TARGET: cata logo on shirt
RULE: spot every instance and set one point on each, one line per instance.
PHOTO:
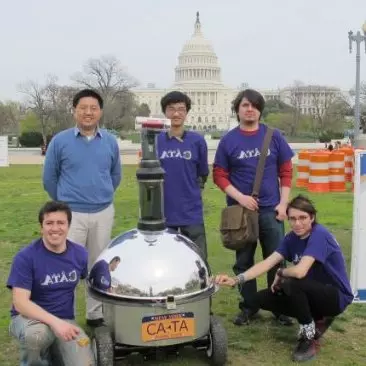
(104, 281)
(247, 154)
(177, 153)
(297, 258)
(62, 277)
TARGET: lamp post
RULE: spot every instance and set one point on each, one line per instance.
(358, 38)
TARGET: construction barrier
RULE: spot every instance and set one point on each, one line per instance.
(349, 162)
(303, 166)
(337, 176)
(319, 172)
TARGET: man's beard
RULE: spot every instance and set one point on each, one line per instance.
(249, 122)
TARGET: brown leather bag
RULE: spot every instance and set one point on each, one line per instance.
(239, 225)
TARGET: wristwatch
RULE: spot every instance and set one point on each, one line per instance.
(239, 279)
(280, 272)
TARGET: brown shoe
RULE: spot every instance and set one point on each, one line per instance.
(305, 350)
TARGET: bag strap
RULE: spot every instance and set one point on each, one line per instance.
(262, 159)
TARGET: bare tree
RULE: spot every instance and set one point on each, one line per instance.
(112, 81)
(51, 103)
(328, 109)
(60, 98)
(10, 114)
(38, 100)
(107, 75)
(143, 110)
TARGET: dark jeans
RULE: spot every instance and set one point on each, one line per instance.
(271, 232)
(305, 300)
(197, 234)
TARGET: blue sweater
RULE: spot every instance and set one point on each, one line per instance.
(82, 173)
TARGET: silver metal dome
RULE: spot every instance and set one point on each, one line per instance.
(150, 266)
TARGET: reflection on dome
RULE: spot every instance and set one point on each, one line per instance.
(168, 264)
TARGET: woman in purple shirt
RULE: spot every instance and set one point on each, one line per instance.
(315, 290)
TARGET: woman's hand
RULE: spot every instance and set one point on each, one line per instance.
(226, 280)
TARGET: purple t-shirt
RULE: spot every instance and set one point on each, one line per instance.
(51, 277)
(184, 163)
(100, 275)
(329, 266)
(239, 154)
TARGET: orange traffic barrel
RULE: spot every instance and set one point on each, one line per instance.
(337, 176)
(303, 165)
(349, 162)
(319, 172)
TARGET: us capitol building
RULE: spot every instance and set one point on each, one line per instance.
(198, 74)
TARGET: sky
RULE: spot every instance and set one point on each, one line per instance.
(267, 44)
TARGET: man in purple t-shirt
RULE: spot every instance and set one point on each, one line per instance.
(234, 171)
(100, 274)
(43, 278)
(183, 156)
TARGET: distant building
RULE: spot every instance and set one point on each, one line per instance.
(198, 74)
(311, 99)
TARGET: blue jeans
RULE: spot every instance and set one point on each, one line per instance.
(271, 232)
(39, 346)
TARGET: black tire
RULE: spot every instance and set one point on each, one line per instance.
(103, 346)
(217, 349)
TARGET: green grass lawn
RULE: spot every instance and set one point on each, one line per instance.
(260, 343)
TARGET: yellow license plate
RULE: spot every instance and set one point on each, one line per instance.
(169, 326)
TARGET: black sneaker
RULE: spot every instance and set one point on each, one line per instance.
(95, 323)
(244, 316)
(284, 320)
(322, 325)
(305, 350)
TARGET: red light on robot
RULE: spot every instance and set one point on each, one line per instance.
(153, 124)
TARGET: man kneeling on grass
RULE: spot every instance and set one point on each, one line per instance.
(43, 278)
(315, 289)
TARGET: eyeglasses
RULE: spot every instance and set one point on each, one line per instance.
(301, 219)
(180, 110)
(86, 108)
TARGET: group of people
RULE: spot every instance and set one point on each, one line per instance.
(82, 171)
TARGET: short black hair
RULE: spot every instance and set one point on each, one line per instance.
(254, 97)
(54, 206)
(116, 258)
(175, 97)
(87, 93)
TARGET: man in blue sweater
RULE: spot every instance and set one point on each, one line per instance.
(83, 168)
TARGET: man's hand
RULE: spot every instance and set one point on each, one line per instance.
(225, 280)
(281, 211)
(276, 283)
(65, 330)
(249, 202)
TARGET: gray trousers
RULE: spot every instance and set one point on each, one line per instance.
(39, 346)
(93, 231)
(197, 234)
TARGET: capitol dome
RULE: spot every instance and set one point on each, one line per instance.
(197, 62)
